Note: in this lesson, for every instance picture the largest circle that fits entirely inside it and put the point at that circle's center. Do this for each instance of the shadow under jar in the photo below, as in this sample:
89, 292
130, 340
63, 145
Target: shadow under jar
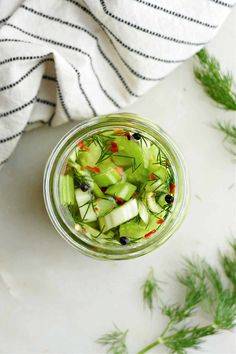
116, 187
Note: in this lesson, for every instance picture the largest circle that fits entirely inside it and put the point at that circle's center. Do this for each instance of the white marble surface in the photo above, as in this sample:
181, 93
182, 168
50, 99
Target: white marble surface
55, 300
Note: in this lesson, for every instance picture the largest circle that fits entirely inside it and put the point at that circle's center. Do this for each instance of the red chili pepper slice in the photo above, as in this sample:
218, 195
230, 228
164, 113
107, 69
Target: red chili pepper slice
81, 146
119, 200
152, 176
172, 188
91, 168
160, 221
114, 147
128, 135
149, 233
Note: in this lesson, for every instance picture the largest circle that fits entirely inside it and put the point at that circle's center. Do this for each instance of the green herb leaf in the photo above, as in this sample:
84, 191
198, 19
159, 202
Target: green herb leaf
229, 130
217, 84
150, 290
115, 341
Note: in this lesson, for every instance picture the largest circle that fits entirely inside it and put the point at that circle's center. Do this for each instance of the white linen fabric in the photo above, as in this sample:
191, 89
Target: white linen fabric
63, 60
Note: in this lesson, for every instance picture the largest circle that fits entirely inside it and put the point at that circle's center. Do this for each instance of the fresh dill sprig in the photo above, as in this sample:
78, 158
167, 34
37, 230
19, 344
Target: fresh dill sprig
150, 290
229, 130
217, 84
205, 290
115, 341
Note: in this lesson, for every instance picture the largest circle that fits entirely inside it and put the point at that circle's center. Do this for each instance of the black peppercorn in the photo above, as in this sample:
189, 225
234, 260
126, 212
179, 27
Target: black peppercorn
124, 240
84, 187
169, 199
137, 136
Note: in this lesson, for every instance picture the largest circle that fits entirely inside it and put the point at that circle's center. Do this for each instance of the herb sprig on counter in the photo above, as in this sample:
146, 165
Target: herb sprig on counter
115, 341
150, 290
229, 131
220, 87
217, 84
208, 290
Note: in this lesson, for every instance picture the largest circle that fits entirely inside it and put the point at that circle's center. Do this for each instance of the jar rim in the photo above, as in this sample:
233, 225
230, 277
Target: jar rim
61, 151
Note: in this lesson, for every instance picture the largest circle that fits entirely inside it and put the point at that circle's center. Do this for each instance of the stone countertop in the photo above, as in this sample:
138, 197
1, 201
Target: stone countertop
55, 300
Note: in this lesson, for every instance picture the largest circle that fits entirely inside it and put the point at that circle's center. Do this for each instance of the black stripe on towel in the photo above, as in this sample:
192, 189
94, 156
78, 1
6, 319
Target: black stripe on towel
72, 25
46, 102
13, 84
21, 58
17, 109
49, 78
5, 140
70, 47
4, 161
133, 50
176, 14
222, 3
148, 31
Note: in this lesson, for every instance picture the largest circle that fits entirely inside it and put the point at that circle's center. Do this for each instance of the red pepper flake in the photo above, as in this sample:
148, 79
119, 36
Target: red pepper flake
119, 170
97, 208
160, 221
152, 176
149, 233
172, 188
136, 194
114, 147
119, 201
118, 130
91, 168
128, 135
82, 147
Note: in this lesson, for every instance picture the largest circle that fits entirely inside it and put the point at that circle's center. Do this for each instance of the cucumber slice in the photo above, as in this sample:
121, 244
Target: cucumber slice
107, 177
143, 212
161, 200
97, 233
123, 190
97, 191
121, 214
86, 208
104, 206
152, 204
140, 175
134, 230
66, 188
82, 197
161, 172
90, 157
129, 152
87, 213
156, 186
73, 155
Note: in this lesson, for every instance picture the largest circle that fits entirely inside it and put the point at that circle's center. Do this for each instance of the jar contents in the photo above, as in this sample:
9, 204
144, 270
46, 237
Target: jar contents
118, 186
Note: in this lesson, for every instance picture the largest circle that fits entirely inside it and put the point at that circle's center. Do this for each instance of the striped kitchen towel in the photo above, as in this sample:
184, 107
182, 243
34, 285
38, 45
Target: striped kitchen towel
64, 60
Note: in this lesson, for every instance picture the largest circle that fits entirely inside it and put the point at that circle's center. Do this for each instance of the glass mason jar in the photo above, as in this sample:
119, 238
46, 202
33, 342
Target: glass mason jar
60, 216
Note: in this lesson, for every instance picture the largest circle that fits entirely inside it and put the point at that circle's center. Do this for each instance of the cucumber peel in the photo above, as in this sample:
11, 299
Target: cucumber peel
120, 215
66, 188
123, 190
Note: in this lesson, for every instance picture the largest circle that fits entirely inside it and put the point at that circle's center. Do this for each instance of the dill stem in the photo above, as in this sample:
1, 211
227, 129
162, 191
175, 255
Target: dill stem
202, 331
150, 346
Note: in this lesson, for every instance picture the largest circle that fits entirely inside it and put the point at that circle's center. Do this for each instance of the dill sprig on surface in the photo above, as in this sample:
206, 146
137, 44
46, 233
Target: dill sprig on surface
229, 130
114, 341
205, 290
217, 84
150, 290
